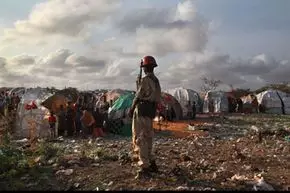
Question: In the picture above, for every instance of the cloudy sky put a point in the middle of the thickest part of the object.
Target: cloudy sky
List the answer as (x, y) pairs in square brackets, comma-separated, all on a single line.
[(99, 43)]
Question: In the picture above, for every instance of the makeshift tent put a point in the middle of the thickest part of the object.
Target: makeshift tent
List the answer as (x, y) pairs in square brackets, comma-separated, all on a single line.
[(171, 102), (18, 91), (274, 101), (118, 121), (70, 93), (216, 102), (115, 94), (121, 106), (60, 98), (27, 115), (120, 126), (54, 102), (249, 103), (184, 95), (286, 101)]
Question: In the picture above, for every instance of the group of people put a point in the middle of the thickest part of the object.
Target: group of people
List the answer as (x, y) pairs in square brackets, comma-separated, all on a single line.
[(8, 103), (79, 119), (82, 118), (191, 110)]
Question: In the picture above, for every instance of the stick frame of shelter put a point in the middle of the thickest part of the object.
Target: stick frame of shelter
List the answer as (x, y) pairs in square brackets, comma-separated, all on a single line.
[(32, 129)]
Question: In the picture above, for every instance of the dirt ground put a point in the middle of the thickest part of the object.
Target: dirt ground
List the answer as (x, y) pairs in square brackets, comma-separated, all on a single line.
[(229, 152)]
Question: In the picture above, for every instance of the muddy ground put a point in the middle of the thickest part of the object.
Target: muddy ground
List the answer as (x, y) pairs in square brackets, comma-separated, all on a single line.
[(217, 153)]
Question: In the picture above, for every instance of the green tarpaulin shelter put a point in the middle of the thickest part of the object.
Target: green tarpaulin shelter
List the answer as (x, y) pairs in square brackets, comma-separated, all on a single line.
[(118, 112), (121, 106)]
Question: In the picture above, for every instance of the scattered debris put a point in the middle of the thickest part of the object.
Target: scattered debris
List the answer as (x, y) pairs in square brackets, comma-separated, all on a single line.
[(182, 188), (224, 159), (24, 140), (66, 172), (238, 177)]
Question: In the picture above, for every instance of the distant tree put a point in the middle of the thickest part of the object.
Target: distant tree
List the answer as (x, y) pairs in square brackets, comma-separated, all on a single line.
[(209, 84), (239, 92), (284, 87)]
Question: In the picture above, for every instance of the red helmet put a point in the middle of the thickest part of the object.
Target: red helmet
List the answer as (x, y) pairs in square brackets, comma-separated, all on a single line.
[(148, 61)]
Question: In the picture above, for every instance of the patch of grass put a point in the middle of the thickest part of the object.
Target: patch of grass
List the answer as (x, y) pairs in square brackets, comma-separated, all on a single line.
[(11, 158), (47, 150), (14, 163), (102, 154)]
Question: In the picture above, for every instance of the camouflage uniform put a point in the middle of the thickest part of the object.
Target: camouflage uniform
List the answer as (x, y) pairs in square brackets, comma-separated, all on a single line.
[(142, 127)]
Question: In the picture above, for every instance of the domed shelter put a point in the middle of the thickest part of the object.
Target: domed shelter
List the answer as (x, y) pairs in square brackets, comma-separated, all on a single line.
[(167, 100), (18, 91), (184, 95), (30, 113), (273, 101), (216, 102)]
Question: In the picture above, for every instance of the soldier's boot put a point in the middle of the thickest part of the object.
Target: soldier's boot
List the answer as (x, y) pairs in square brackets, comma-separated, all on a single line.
[(143, 173), (153, 167)]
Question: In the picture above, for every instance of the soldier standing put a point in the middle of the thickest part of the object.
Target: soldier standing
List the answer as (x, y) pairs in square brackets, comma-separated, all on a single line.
[(143, 111)]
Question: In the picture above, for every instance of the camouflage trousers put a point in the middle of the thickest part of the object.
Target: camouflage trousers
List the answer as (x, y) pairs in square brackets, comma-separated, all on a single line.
[(142, 134)]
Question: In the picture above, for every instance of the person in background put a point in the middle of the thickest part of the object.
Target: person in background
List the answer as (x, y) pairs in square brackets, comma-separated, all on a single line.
[(98, 118), (172, 113), (70, 120), (52, 125), (211, 106), (10, 103), (193, 110), (61, 121), (168, 112), (7, 104), (2, 103), (13, 101), (255, 104), (230, 105), (240, 105), (88, 123), (17, 101), (102, 104), (90, 105), (189, 110), (78, 122), (104, 107)]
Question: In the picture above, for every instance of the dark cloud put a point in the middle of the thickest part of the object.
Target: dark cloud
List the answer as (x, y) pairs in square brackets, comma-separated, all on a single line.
[(251, 73)]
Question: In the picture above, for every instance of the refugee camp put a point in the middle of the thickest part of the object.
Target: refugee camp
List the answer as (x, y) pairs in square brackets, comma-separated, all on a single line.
[(174, 95)]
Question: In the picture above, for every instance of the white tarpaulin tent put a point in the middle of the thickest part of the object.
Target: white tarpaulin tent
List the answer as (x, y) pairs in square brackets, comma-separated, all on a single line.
[(35, 116), (215, 102), (273, 101), (184, 95), (286, 101), (18, 91)]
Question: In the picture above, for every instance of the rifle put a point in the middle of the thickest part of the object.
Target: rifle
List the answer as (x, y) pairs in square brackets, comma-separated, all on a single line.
[(139, 77)]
